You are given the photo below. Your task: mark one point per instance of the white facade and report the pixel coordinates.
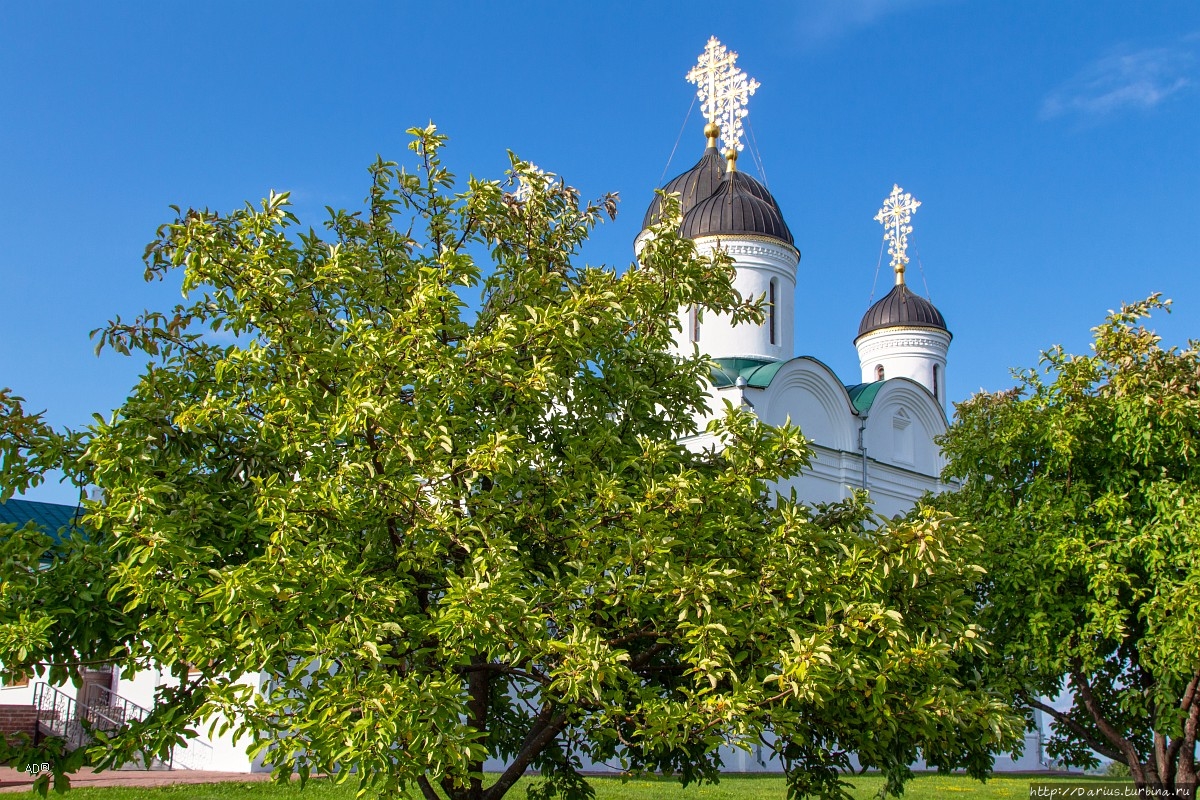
(877, 435)
(211, 750)
(884, 444)
(916, 353)
(766, 268)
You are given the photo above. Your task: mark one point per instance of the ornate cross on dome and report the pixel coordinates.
(723, 90)
(895, 215)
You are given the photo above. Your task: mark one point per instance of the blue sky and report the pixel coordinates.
(1055, 148)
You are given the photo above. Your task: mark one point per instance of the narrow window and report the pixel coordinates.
(694, 323)
(773, 304)
(936, 393)
(879, 372)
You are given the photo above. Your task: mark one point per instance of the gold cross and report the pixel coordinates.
(723, 90)
(897, 211)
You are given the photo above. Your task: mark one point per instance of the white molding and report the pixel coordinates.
(896, 338)
(750, 245)
(905, 352)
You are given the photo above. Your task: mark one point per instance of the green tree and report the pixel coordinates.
(388, 534)
(1084, 482)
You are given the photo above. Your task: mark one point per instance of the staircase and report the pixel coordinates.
(59, 714)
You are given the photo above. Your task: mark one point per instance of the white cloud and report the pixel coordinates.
(1124, 81)
(822, 21)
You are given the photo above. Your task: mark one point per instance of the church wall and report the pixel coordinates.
(225, 755)
(139, 688)
(835, 475)
(911, 353)
(832, 476)
(901, 426)
(759, 262)
(895, 490)
(807, 393)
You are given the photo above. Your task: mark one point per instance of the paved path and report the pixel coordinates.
(12, 780)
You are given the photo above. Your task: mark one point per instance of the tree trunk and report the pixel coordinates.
(1185, 771)
(1150, 784)
(479, 686)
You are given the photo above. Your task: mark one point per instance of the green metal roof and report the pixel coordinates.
(757, 372)
(863, 395)
(55, 519)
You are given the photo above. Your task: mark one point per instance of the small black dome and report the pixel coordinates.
(900, 308)
(692, 186)
(740, 206)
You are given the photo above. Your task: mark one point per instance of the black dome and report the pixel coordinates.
(692, 186)
(740, 206)
(757, 189)
(900, 308)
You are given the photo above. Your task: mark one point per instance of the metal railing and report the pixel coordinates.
(109, 711)
(60, 715)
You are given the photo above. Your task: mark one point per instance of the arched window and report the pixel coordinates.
(694, 323)
(772, 313)
(879, 372)
(936, 392)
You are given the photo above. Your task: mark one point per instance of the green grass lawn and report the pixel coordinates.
(767, 787)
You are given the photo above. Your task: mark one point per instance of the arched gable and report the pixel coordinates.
(810, 394)
(902, 423)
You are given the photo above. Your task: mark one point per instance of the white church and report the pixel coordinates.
(877, 432)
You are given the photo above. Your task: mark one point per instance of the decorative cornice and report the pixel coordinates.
(916, 337)
(748, 249)
(739, 245)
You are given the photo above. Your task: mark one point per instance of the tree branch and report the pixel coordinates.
(1090, 703)
(427, 790)
(1191, 695)
(541, 734)
(504, 669)
(643, 657)
(1080, 731)
(642, 633)
(393, 533)
(1165, 767)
